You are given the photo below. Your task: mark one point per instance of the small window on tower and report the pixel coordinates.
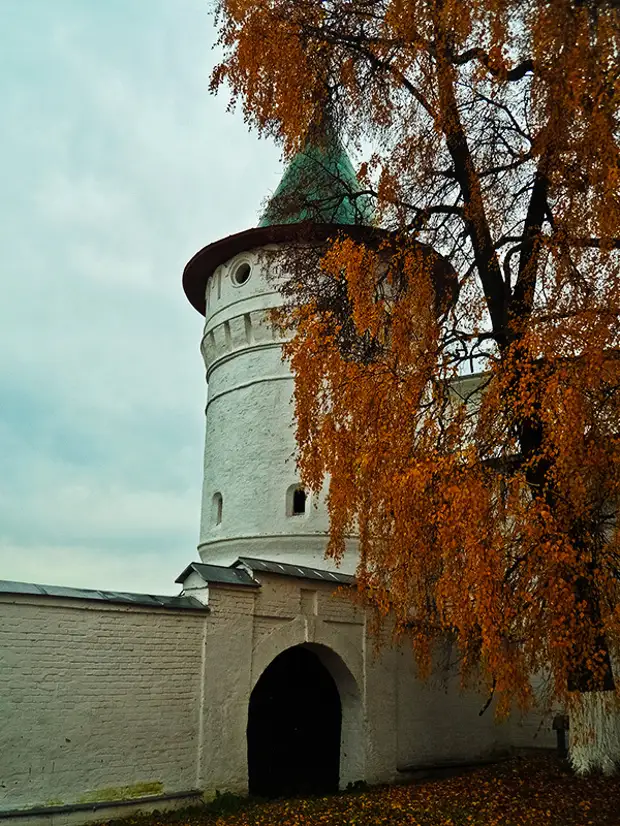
(299, 501)
(295, 501)
(241, 274)
(216, 509)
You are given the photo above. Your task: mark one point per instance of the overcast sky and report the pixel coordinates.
(116, 166)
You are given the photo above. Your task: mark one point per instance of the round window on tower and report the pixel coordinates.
(241, 273)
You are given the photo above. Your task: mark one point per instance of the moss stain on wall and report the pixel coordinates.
(123, 792)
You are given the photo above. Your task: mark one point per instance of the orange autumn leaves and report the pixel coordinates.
(282, 57)
(537, 791)
(485, 509)
(426, 466)
(423, 466)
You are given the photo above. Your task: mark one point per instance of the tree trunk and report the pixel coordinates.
(594, 733)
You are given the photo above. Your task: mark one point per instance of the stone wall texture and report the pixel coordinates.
(100, 702)
(96, 702)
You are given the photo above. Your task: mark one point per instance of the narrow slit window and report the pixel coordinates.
(296, 499)
(216, 508)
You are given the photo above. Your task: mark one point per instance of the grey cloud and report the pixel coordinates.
(119, 166)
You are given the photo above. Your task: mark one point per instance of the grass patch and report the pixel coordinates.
(538, 791)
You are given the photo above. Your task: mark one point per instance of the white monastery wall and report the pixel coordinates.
(438, 722)
(228, 664)
(534, 730)
(97, 702)
(105, 702)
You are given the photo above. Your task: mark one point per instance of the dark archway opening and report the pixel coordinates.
(294, 726)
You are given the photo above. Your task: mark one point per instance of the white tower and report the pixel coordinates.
(251, 505)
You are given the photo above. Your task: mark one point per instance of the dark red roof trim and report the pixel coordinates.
(198, 270)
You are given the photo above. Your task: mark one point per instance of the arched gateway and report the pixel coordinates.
(294, 727)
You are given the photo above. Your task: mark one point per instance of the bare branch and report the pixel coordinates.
(516, 73)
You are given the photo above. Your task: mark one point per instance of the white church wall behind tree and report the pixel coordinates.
(103, 704)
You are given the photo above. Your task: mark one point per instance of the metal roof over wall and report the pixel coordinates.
(117, 597)
(218, 575)
(299, 571)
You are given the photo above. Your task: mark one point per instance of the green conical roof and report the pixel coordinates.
(319, 185)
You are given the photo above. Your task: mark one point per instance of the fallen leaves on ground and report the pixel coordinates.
(540, 791)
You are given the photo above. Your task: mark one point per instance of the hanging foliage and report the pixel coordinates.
(486, 504)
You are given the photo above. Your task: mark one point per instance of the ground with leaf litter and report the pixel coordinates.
(539, 790)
